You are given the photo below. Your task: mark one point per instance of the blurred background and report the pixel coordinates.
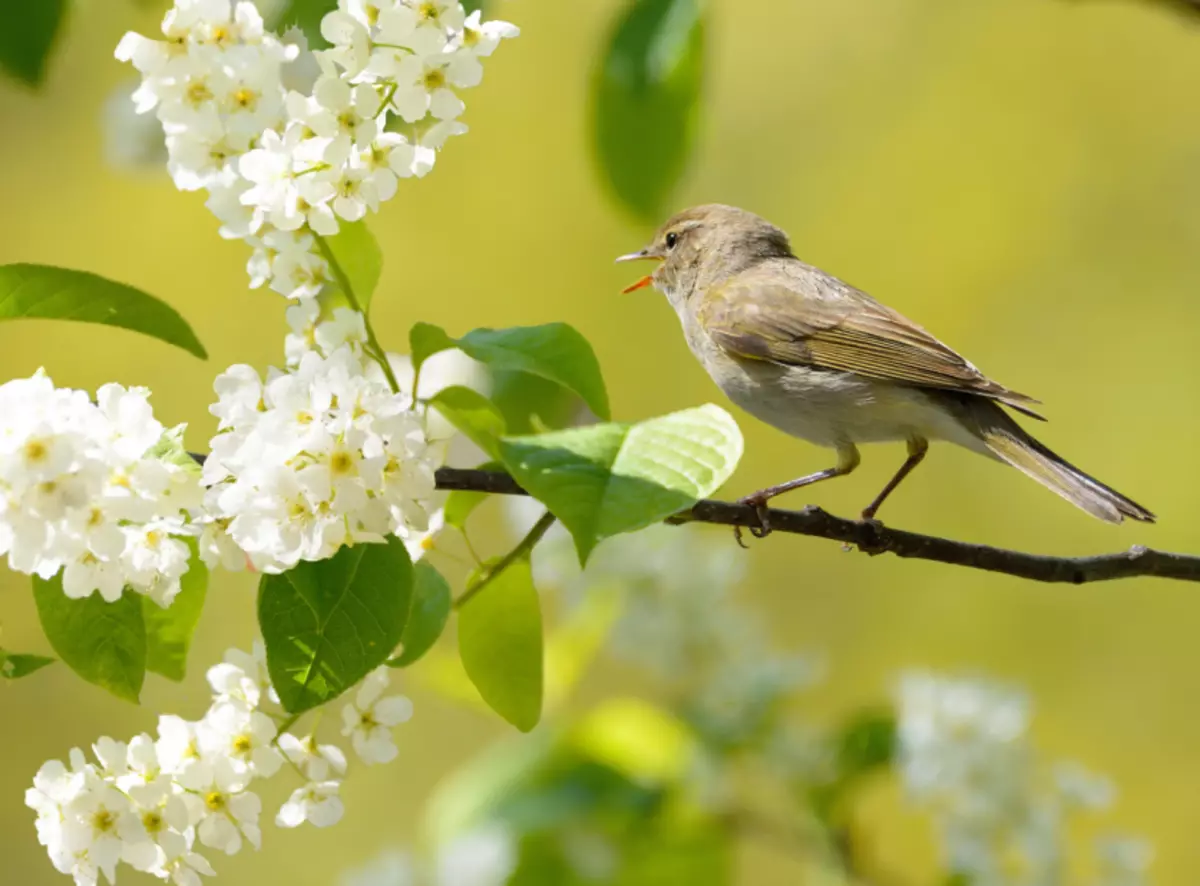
(1022, 177)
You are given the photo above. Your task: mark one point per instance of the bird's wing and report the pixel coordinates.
(808, 318)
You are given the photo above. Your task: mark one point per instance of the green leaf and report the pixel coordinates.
(15, 665)
(531, 404)
(470, 6)
(428, 616)
(555, 352)
(44, 292)
(328, 624)
(425, 340)
(105, 643)
(607, 479)
(306, 15)
(500, 642)
(169, 631)
(461, 503)
(646, 101)
(473, 414)
(357, 253)
(27, 36)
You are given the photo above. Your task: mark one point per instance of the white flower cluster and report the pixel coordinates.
(149, 803)
(311, 460)
(281, 165)
(99, 490)
(1003, 817)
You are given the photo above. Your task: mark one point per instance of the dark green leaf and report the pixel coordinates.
(427, 617)
(461, 503)
(44, 292)
(531, 404)
(473, 414)
(646, 101)
(555, 351)
(607, 479)
(472, 5)
(358, 255)
(328, 624)
(105, 643)
(15, 665)
(169, 631)
(500, 642)
(306, 15)
(27, 35)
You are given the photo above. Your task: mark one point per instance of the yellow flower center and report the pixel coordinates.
(428, 11)
(341, 463)
(471, 37)
(103, 820)
(198, 93)
(247, 99)
(243, 744)
(435, 78)
(215, 801)
(36, 451)
(153, 822)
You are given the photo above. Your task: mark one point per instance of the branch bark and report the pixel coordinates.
(874, 539)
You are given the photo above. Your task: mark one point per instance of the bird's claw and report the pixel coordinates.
(763, 529)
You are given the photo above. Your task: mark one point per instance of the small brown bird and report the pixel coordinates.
(822, 361)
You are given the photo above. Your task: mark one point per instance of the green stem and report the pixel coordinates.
(387, 97)
(373, 347)
(540, 528)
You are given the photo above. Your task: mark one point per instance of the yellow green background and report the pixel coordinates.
(1022, 177)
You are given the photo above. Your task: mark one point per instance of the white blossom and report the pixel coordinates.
(288, 140)
(98, 490)
(369, 720)
(332, 457)
(316, 802)
(318, 762)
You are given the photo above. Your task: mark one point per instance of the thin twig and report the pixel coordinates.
(874, 538)
(527, 544)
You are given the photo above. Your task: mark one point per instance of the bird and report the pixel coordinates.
(823, 361)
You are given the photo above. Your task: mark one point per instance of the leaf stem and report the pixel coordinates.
(540, 528)
(373, 347)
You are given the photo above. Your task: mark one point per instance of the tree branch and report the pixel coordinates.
(873, 538)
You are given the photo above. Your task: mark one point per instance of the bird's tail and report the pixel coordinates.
(1007, 441)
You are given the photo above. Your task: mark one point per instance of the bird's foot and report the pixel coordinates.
(763, 529)
(871, 538)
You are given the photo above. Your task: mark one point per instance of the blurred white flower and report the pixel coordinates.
(241, 736)
(224, 811)
(317, 761)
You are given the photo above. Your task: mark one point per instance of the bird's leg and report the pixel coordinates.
(848, 460)
(917, 447)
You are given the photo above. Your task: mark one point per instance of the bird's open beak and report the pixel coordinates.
(640, 255)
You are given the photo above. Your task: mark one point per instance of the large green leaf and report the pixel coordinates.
(169, 631)
(359, 258)
(428, 616)
(15, 665)
(612, 478)
(531, 404)
(328, 624)
(105, 643)
(646, 101)
(555, 351)
(44, 292)
(473, 414)
(28, 29)
(500, 643)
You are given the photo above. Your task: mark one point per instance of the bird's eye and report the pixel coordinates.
(672, 239)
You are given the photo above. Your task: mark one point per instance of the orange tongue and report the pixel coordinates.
(640, 284)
